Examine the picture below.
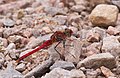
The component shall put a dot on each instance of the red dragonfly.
(58, 36)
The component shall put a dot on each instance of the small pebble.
(21, 67)
(8, 22)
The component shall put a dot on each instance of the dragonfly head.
(68, 32)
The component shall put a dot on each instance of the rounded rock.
(8, 22)
(104, 15)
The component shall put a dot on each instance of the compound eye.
(68, 32)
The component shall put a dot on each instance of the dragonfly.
(58, 36)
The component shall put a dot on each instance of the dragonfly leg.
(61, 56)
(66, 45)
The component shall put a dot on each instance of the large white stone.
(104, 15)
(98, 60)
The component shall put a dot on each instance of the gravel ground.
(95, 43)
